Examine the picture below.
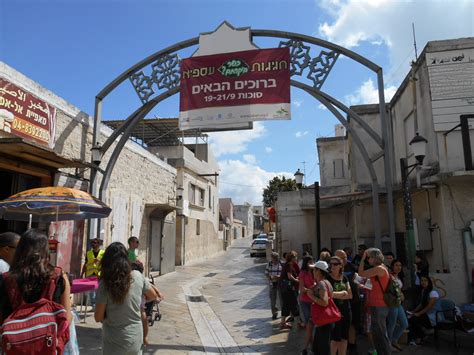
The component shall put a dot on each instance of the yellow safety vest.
(92, 267)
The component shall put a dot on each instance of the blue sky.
(74, 48)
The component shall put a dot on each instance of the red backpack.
(38, 328)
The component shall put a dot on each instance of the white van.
(271, 235)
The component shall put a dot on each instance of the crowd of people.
(29, 281)
(369, 295)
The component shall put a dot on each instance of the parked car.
(271, 235)
(262, 236)
(259, 246)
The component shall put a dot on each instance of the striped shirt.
(273, 269)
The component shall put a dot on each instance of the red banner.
(224, 89)
(25, 115)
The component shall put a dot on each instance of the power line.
(230, 183)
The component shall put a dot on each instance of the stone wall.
(138, 179)
(201, 247)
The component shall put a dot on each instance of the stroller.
(152, 309)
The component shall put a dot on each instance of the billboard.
(228, 88)
(451, 78)
(25, 115)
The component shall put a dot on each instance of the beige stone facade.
(139, 184)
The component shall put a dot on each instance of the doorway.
(155, 244)
(11, 183)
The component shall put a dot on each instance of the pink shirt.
(376, 294)
(306, 277)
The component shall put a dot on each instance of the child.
(137, 265)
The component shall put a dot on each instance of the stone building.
(197, 227)
(245, 214)
(54, 149)
(430, 101)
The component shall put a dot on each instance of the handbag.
(325, 315)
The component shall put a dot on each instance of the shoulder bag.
(325, 315)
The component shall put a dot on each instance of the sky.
(76, 47)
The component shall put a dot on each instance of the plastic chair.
(446, 319)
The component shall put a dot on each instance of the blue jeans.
(395, 330)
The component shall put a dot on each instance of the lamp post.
(418, 144)
(179, 195)
(299, 181)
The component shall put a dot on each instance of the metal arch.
(319, 42)
(363, 151)
(127, 129)
(325, 99)
(385, 142)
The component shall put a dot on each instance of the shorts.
(341, 328)
(305, 311)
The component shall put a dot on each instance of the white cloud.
(268, 150)
(232, 142)
(297, 103)
(367, 93)
(322, 107)
(390, 22)
(244, 181)
(300, 134)
(249, 158)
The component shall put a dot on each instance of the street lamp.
(96, 152)
(299, 178)
(418, 144)
(299, 181)
(179, 195)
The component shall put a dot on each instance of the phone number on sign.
(31, 130)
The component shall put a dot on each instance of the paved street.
(222, 306)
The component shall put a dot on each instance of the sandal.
(285, 326)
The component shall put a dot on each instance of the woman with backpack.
(397, 318)
(118, 303)
(34, 286)
(379, 278)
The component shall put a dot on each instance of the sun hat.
(322, 265)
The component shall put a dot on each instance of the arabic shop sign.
(25, 115)
(222, 89)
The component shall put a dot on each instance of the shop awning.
(20, 149)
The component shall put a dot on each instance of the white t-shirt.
(434, 294)
(4, 267)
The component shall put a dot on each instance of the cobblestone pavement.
(222, 306)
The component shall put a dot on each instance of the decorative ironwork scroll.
(164, 75)
(318, 67)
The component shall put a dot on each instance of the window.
(202, 195)
(338, 166)
(192, 194)
(198, 226)
(210, 197)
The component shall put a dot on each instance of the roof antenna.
(414, 40)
